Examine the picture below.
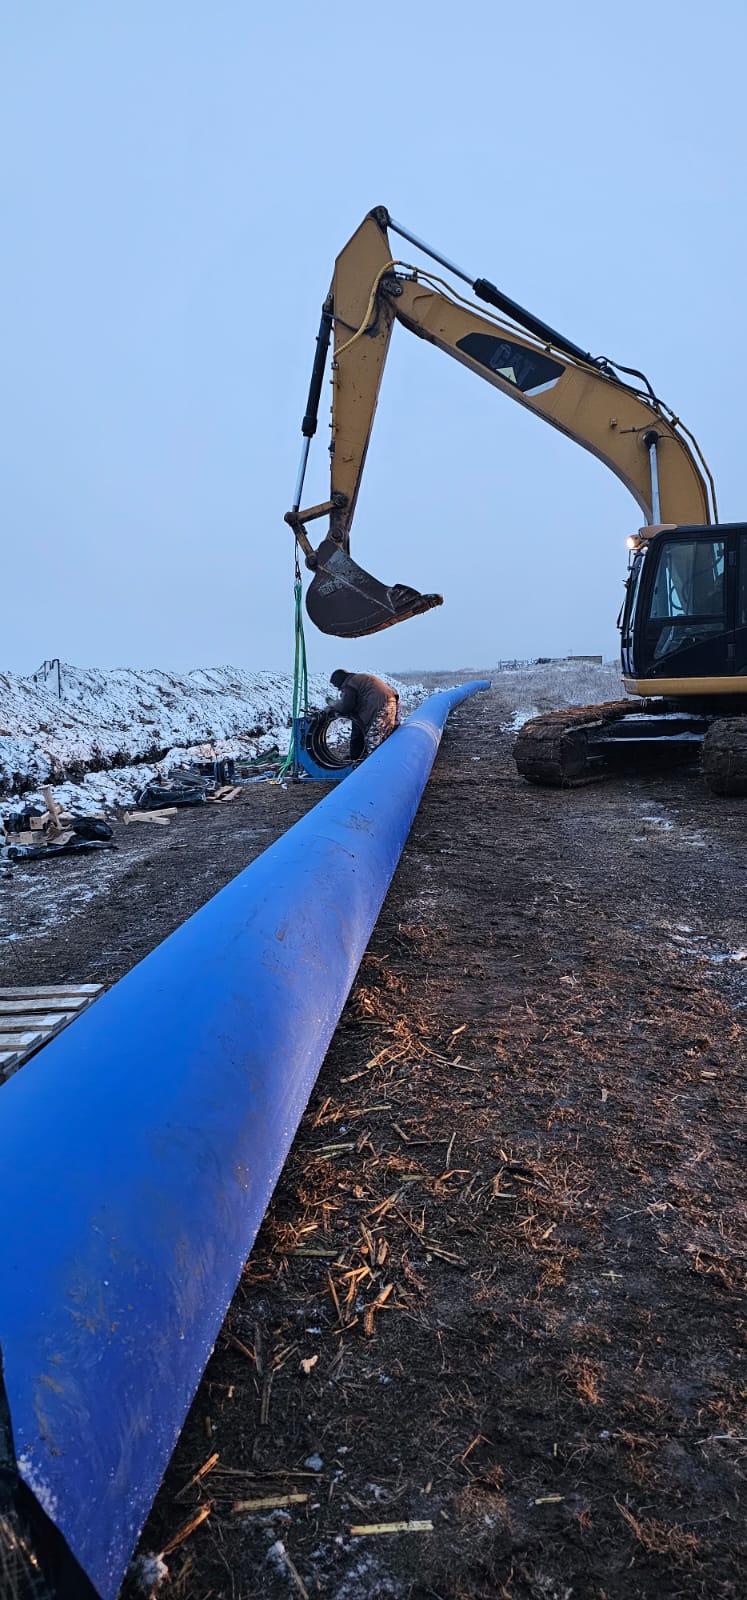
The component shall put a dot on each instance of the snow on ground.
(551, 685)
(117, 717)
(110, 732)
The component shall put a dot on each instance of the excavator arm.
(622, 423)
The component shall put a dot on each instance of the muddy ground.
(500, 1289)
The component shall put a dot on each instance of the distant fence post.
(46, 670)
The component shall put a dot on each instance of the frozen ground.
(110, 732)
(554, 684)
(530, 1123)
(104, 720)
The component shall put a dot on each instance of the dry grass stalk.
(661, 1538)
(585, 1375)
(376, 1305)
(237, 1344)
(359, 1530)
(188, 1528)
(202, 1472)
(269, 1503)
(264, 1410)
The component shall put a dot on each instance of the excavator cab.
(684, 622)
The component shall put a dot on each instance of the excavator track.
(582, 744)
(724, 757)
(558, 749)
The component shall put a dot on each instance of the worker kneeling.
(373, 703)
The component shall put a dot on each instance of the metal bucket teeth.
(345, 600)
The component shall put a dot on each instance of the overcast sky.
(176, 180)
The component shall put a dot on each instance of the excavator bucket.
(345, 600)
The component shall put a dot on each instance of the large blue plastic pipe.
(139, 1150)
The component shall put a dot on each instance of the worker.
(373, 703)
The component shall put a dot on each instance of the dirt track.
(508, 1243)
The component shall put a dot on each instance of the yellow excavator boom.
(622, 423)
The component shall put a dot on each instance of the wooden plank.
(50, 1023)
(53, 809)
(9, 1062)
(30, 991)
(30, 1016)
(47, 1002)
(161, 817)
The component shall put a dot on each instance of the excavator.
(683, 622)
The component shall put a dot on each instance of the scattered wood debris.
(163, 815)
(226, 793)
(31, 834)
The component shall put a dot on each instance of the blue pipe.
(139, 1150)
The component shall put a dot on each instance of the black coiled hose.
(331, 758)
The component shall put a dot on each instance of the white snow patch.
(699, 944)
(664, 823)
(61, 900)
(365, 1577)
(46, 1497)
(518, 719)
(551, 685)
(658, 823)
(110, 732)
(147, 1573)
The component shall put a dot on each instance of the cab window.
(689, 580)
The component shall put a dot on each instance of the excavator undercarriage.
(562, 749)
